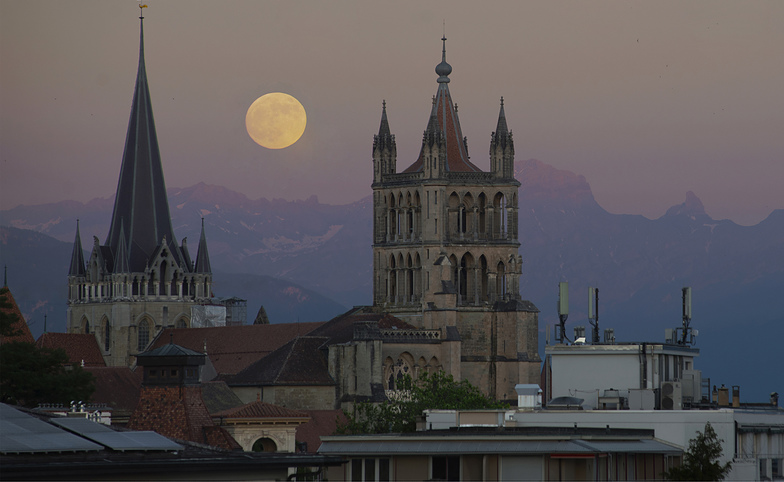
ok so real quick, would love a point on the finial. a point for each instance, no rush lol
(171, 338)
(455, 107)
(434, 100)
(141, 12)
(502, 101)
(384, 104)
(443, 69)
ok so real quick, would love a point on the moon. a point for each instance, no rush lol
(275, 120)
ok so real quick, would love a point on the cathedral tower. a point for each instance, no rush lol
(140, 281)
(445, 245)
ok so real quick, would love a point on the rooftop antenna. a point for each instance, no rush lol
(687, 336)
(563, 310)
(593, 312)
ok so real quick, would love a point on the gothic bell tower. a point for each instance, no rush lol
(140, 280)
(445, 245)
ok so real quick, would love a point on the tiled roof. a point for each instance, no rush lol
(232, 348)
(322, 423)
(80, 347)
(298, 362)
(341, 328)
(260, 410)
(19, 325)
(117, 387)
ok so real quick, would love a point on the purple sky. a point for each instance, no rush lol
(646, 99)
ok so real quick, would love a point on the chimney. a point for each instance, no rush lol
(736, 396)
(774, 399)
(724, 396)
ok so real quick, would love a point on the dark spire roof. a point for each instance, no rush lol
(502, 137)
(121, 256)
(383, 129)
(141, 200)
(501, 126)
(444, 117)
(77, 255)
(202, 256)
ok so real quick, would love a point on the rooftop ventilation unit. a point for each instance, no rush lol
(671, 396)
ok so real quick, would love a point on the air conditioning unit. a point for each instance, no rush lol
(671, 396)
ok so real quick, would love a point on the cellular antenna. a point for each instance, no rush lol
(686, 335)
(593, 312)
(563, 310)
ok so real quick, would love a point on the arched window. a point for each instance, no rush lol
(143, 335)
(181, 323)
(85, 326)
(264, 445)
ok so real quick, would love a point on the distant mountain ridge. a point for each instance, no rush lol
(639, 264)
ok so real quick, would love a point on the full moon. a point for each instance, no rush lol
(275, 120)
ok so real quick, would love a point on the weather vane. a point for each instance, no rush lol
(141, 6)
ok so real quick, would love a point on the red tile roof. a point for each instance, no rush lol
(80, 347)
(232, 348)
(19, 325)
(117, 387)
(322, 423)
(261, 410)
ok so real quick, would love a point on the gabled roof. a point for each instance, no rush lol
(298, 362)
(218, 396)
(260, 409)
(232, 348)
(80, 347)
(19, 326)
(341, 328)
(443, 118)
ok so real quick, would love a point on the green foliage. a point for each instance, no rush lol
(32, 375)
(430, 391)
(7, 318)
(700, 462)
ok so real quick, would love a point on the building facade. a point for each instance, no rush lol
(140, 280)
(445, 245)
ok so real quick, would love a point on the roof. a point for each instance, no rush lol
(321, 424)
(260, 409)
(117, 387)
(141, 208)
(218, 396)
(120, 453)
(79, 347)
(232, 348)
(443, 119)
(341, 328)
(19, 326)
(298, 362)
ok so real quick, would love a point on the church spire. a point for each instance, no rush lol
(384, 148)
(502, 148)
(77, 255)
(141, 200)
(202, 256)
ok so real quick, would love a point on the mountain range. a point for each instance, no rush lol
(308, 261)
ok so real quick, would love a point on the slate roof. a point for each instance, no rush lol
(443, 121)
(218, 396)
(260, 409)
(117, 387)
(80, 347)
(232, 348)
(19, 325)
(298, 362)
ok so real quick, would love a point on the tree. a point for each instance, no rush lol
(8, 318)
(701, 461)
(430, 391)
(32, 375)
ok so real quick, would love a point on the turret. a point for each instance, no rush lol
(384, 149)
(502, 148)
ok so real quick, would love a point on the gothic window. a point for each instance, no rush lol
(395, 372)
(107, 335)
(143, 335)
(181, 323)
(500, 280)
(85, 326)
(500, 221)
(482, 205)
(483, 287)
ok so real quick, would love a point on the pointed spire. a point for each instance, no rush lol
(121, 256)
(141, 199)
(501, 128)
(202, 256)
(77, 255)
(383, 129)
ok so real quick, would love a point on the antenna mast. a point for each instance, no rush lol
(593, 312)
(563, 310)
(687, 331)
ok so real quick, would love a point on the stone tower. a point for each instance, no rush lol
(140, 280)
(445, 245)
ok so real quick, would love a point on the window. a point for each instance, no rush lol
(107, 336)
(143, 335)
(370, 470)
(264, 445)
(445, 467)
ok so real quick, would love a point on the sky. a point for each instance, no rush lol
(647, 100)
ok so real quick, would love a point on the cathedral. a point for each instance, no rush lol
(140, 280)
(445, 246)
